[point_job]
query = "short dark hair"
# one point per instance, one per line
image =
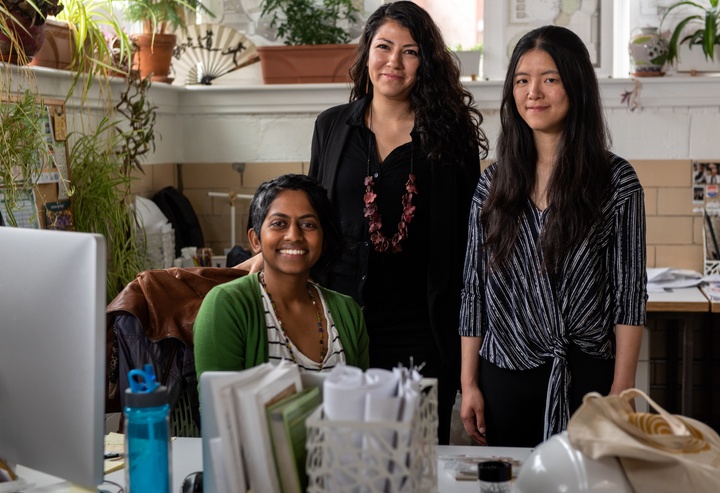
(317, 195)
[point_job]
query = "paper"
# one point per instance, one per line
(114, 444)
(665, 279)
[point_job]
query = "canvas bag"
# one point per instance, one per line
(658, 452)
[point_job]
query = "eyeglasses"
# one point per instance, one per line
(193, 483)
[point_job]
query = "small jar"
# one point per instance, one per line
(495, 476)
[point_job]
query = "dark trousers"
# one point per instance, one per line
(515, 399)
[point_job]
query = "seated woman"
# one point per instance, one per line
(279, 313)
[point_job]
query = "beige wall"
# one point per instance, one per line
(674, 232)
(213, 212)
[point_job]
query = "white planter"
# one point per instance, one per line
(469, 63)
(693, 60)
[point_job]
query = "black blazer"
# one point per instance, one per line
(451, 192)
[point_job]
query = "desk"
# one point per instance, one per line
(687, 307)
(187, 458)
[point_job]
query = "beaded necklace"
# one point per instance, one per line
(378, 239)
(323, 347)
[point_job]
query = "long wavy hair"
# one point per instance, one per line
(582, 168)
(445, 115)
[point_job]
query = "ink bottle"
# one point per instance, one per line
(495, 476)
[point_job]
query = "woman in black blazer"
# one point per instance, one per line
(401, 162)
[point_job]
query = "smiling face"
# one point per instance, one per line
(291, 237)
(539, 93)
(393, 61)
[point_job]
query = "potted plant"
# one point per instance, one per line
(469, 60)
(101, 167)
(22, 27)
(25, 151)
(699, 29)
(160, 19)
(87, 38)
(316, 40)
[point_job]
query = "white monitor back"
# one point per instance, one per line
(52, 352)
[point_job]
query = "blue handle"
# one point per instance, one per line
(143, 381)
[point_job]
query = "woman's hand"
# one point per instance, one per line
(252, 265)
(472, 413)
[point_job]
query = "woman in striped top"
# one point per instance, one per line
(554, 290)
(279, 313)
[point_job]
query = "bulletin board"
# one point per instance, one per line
(47, 205)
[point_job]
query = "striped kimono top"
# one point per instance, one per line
(526, 319)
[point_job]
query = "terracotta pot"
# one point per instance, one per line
(58, 49)
(154, 56)
(29, 41)
(306, 63)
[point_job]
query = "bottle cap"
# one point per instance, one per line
(158, 397)
(494, 471)
(144, 390)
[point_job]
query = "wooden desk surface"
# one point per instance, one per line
(678, 300)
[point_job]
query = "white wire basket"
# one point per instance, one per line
(375, 457)
(160, 249)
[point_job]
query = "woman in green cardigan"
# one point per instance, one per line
(279, 313)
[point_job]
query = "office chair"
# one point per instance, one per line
(151, 321)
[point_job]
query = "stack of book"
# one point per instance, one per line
(253, 424)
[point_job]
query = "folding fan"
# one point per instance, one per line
(208, 51)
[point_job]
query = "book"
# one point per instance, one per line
(59, 216)
(288, 434)
(252, 399)
(220, 422)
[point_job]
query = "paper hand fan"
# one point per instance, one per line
(208, 51)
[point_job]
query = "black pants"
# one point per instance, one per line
(515, 399)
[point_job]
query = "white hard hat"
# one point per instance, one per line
(556, 467)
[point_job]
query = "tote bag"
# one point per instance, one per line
(659, 452)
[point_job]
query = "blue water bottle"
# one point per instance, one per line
(147, 434)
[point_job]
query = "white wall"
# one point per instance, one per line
(677, 117)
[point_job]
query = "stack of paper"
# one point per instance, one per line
(666, 279)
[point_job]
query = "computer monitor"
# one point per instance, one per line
(52, 352)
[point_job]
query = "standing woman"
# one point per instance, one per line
(400, 163)
(554, 296)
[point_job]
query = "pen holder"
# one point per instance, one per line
(381, 456)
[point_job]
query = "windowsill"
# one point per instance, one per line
(676, 90)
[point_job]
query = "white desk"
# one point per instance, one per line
(187, 458)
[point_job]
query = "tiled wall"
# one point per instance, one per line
(674, 232)
(196, 180)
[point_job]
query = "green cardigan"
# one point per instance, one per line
(230, 332)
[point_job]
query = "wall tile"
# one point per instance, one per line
(667, 230)
(218, 177)
(675, 201)
(256, 173)
(663, 173)
(680, 257)
(650, 256)
(651, 198)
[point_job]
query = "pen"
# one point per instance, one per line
(112, 455)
